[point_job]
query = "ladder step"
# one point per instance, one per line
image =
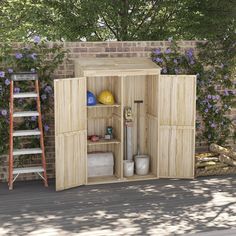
(24, 95)
(23, 76)
(26, 170)
(27, 151)
(25, 114)
(20, 133)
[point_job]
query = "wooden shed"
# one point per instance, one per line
(167, 119)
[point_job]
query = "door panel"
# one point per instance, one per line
(186, 100)
(70, 105)
(177, 126)
(168, 100)
(71, 151)
(70, 132)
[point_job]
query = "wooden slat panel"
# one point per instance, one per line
(71, 152)
(186, 100)
(152, 142)
(176, 156)
(152, 94)
(184, 153)
(168, 100)
(70, 105)
(166, 150)
(115, 67)
(177, 126)
(135, 89)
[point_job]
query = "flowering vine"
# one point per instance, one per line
(36, 56)
(214, 67)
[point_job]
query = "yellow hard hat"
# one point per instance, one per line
(106, 97)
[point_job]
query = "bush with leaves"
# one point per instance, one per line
(36, 56)
(214, 67)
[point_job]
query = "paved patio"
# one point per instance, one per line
(163, 207)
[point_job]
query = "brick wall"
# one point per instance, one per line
(66, 70)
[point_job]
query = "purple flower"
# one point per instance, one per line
(18, 55)
(176, 70)
(4, 112)
(44, 96)
(159, 60)
(7, 82)
(33, 118)
(48, 89)
(10, 70)
(175, 61)
(168, 51)
(46, 128)
(226, 93)
(32, 70)
(33, 56)
(209, 106)
(217, 97)
(213, 125)
(233, 92)
(157, 51)
(209, 96)
(164, 70)
(206, 110)
(192, 62)
(226, 77)
(189, 53)
(2, 74)
(16, 90)
(213, 97)
(36, 39)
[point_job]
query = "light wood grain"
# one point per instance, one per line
(177, 126)
(70, 105)
(71, 152)
(115, 67)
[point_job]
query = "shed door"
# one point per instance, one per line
(70, 132)
(177, 101)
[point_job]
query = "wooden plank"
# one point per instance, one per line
(168, 100)
(115, 67)
(186, 100)
(71, 153)
(70, 105)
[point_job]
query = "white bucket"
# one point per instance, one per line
(128, 168)
(142, 164)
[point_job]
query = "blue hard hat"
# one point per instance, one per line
(91, 99)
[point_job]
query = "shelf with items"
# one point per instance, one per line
(99, 105)
(103, 142)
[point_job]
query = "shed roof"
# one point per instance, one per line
(115, 66)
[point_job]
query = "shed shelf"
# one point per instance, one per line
(103, 142)
(103, 106)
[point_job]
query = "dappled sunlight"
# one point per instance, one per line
(142, 208)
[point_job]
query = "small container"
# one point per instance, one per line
(142, 163)
(128, 168)
(110, 131)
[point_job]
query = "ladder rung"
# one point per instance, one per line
(25, 95)
(19, 133)
(24, 76)
(27, 151)
(25, 113)
(26, 170)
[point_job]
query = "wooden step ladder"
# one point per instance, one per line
(40, 170)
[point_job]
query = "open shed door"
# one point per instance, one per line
(70, 132)
(177, 101)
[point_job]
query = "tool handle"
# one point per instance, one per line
(138, 102)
